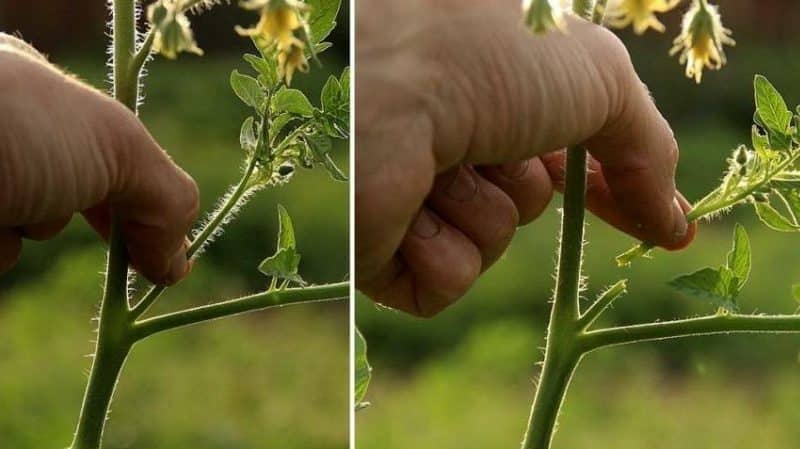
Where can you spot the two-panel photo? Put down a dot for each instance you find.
(382, 224)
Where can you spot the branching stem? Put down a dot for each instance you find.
(271, 298)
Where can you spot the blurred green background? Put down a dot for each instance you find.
(465, 379)
(273, 379)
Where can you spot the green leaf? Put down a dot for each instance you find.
(247, 136)
(322, 19)
(278, 123)
(320, 146)
(293, 101)
(708, 283)
(791, 199)
(285, 262)
(771, 107)
(282, 265)
(331, 94)
(344, 81)
(248, 90)
(267, 69)
(363, 372)
(760, 140)
(774, 219)
(739, 257)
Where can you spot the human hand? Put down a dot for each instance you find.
(66, 147)
(460, 113)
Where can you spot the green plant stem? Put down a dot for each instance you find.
(708, 325)
(561, 357)
(111, 350)
(202, 237)
(701, 210)
(601, 304)
(139, 59)
(273, 298)
(112, 342)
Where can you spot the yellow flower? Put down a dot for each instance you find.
(542, 16)
(279, 19)
(292, 58)
(701, 41)
(640, 13)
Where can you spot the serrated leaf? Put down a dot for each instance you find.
(771, 107)
(285, 262)
(282, 265)
(293, 101)
(791, 198)
(248, 90)
(331, 94)
(708, 283)
(322, 19)
(266, 69)
(739, 257)
(247, 136)
(774, 219)
(363, 371)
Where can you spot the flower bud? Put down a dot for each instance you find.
(741, 156)
(542, 16)
(173, 33)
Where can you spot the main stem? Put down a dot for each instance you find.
(562, 352)
(113, 344)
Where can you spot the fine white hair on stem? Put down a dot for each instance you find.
(209, 219)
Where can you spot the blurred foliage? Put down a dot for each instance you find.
(464, 379)
(270, 379)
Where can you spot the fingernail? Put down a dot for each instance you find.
(425, 226)
(514, 170)
(178, 268)
(681, 226)
(463, 187)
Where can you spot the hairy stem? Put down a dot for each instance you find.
(708, 325)
(111, 350)
(202, 237)
(271, 298)
(112, 343)
(562, 333)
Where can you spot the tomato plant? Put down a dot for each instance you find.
(285, 132)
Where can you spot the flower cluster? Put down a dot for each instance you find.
(283, 26)
(700, 44)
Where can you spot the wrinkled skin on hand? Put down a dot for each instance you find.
(66, 147)
(461, 116)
